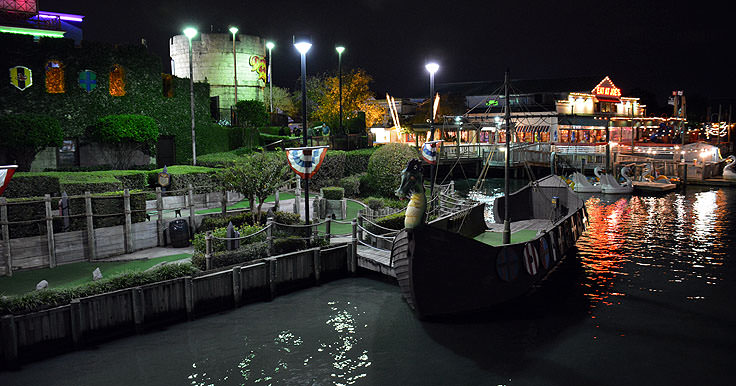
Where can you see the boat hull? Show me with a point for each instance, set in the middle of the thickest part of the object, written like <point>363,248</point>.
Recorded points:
<point>443,272</point>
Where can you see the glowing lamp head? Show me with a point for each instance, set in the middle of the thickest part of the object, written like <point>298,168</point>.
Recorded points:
<point>190,32</point>
<point>233,30</point>
<point>432,67</point>
<point>303,47</point>
<point>270,45</point>
<point>340,49</point>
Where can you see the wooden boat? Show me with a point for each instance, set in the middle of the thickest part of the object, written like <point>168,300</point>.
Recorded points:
<point>457,263</point>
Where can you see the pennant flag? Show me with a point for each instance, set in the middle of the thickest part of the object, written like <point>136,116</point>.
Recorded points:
<point>6,173</point>
<point>305,161</point>
<point>429,152</point>
<point>21,77</point>
<point>87,80</point>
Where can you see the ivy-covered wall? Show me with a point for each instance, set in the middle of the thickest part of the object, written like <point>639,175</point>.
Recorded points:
<point>77,109</point>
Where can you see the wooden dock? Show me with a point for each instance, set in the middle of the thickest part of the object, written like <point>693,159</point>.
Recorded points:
<point>374,259</point>
<point>716,181</point>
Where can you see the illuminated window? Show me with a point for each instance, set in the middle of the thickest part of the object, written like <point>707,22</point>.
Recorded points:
<point>117,80</point>
<point>54,77</point>
<point>168,85</point>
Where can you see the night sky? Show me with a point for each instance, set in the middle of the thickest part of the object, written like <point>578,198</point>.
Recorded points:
<point>649,46</point>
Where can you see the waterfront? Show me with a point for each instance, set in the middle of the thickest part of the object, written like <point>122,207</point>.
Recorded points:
<point>646,300</point>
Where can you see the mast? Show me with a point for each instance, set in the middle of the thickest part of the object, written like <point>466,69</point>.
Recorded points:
<point>506,223</point>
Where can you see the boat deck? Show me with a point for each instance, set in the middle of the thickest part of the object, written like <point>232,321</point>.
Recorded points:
<point>645,186</point>
<point>521,231</point>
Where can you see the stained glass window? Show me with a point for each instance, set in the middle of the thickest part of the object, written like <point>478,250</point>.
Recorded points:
<point>55,77</point>
<point>117,80</point>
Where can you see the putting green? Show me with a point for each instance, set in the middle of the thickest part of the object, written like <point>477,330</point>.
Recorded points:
<point>496,238</point>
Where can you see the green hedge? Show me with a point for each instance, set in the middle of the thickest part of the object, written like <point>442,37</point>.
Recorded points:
<point>202,178</point>
<point>214,138</point>
<point>351,185</point>
<point>392,221</point>
<point>288,244</point>
<point>74,183</point>
<point>49,298</point>
<point>244,254</point>
<point>332,169</point>
<point>333,193</point>
<point>104,204</point>
<point>288,141</point>
<point>244,218</point>
<point>356,161</point>
<point>386,164</point>
<point>199,242</point>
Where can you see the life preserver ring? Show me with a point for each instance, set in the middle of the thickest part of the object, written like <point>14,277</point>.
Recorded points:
<point>531,259</point>
<point>507,264</point>
<point>544,253</point>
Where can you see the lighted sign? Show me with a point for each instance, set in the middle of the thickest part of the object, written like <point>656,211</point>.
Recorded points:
<point>258,65</point>
<point>21,77</point>
<point>492,102</point>
<point>606,90</point>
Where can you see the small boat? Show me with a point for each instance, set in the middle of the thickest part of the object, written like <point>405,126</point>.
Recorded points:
<point>581,184</point>
<point>729,171</point>
<point>609,185</point>
<point>459,263</point>
<point>650,184</point>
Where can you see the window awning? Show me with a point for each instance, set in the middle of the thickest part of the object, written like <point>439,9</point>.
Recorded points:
<point>532,129</point>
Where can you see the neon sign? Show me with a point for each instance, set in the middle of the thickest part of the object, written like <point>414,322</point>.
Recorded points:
<point>258,65</point>
<point>607,90</point>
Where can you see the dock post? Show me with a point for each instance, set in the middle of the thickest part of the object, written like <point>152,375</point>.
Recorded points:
<point>6,236</point>
<point>160,217</point>
<point>50,231</point>
<point>189,297</point>
<point>9,341</point>
<point>237,292</point>
<point>208,251</point>
<point>353,264</point>
<point>128,224</point>
<point>328,229</point>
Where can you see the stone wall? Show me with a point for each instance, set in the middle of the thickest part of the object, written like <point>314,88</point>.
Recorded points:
<point>212,62</point>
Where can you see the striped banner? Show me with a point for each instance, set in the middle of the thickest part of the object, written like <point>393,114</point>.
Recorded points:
<point>429,152</point>
<point>6,173</point>
<point>305,161</point>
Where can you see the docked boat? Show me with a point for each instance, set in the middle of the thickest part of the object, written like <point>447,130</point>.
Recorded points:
<point>729,171</point>
<point>609,185</point>
<point>459,263</point>
<point>581,184</point>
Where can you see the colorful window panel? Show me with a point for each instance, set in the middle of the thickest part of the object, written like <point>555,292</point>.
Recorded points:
<point>55,77</point>
<point>117,81</point>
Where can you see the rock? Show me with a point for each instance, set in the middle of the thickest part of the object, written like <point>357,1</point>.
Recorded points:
<point>96,274</point>
<point>43,284</point>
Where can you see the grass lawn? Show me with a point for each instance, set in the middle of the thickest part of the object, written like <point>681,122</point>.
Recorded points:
<point>71,275</point>
<point>244,204</point>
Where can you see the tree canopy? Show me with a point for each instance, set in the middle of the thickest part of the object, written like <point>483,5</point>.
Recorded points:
<point>356,97</point>
<point>24,135</point>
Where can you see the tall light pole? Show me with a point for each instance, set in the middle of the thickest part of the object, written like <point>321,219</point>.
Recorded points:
<point>431,67</point>
<point>303,47</point>
<point>234,31</point>
<point>340,50</point>
<point>190,34</point>
<point>270,46</point>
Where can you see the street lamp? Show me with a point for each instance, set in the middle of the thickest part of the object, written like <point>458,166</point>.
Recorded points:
<point>340,50</point>
<point>234,31</point>
<point>303,47</point>
<point>190,33</point>
<point>431,67</point>
<point>270,46</point>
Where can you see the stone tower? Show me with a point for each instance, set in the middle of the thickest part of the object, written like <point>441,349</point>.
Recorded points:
<point>212,61</point>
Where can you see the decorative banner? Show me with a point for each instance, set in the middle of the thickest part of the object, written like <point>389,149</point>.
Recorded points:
<point>305,161</point>
<point>258,65</point>
<point>6,173</point>
<point>429,151</point>
<point>55,77</point>
<point>21,77</point>
<point>117,80</point>
<point>507,264</point>
<point>88,80</point>
<point>531,259</point>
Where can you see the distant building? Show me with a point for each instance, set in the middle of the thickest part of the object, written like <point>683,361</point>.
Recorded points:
<point>213,62</point>
<point>23,17</point>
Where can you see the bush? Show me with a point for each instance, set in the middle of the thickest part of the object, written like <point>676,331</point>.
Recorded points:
<point>288,244</point>
<point>392,221</point>
<point>202,178</point>
<point>24,135</point>
<point>351,185</point>
<point>126,129</point>
<point>356,161</point>
<point>33,185</point>
<point>333,193</point>
<point>374,203</point>
<point>366,185</point>
<point>251,113</point>
<point>48,298</point>
<point>75,183</point>
<point>331,171</point>
<point>245,218</point>
<point>386,164</point>
<point>244,254</point>
<point>199,242</point>
<point>220,160</point>
<point>213,138</point>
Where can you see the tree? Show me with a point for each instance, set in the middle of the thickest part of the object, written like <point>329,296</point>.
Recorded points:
<point>24,135</point>
<point>283,100</point>
<point>356,97</point>
<point>252,113</point>
<point>385,166</point>
<point>125,134</point>
<point>258,176</point>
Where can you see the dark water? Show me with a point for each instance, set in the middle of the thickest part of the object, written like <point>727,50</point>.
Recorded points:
<point>648,299</point>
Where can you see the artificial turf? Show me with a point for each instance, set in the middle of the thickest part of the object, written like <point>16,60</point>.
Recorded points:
<point>74,274</point>
<point>496,238</point>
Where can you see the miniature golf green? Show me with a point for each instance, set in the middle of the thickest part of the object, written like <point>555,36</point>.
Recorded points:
<point>71,275</point>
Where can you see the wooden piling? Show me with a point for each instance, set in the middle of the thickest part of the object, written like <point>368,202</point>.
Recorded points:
<point>50,231</point>
<point>6,236</point>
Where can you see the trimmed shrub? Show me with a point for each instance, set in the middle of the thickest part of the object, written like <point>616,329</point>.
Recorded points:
<point>244,254</point>
<point>366,185</point>
<point>74,183</point>
<point>32,185</point>
<point>392,221</point>
<point>213,138</point>
<point>244,218</point>
<point>351,185</point>
<point>333,193</point>
<point>356,161</point>
<point>24,135</point>
<point>199,242</point>
<point>220,160</point>
<point>374,203</point>
<point>49,298</point>
<point>386,164</point>
<point>331,171</point>
<point>126,129</point>
<point>288,244</point>
<point>202,178</point>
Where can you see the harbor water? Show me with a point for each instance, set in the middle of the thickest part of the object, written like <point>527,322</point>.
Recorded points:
<point>646,299</point>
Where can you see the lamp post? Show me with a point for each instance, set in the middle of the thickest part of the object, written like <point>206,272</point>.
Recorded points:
<point>303,47</point>
<point>190,34</point>
<point>340,50</point>
<point>270,46</point>
<point>431,67</point>
<point>234,31</point>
